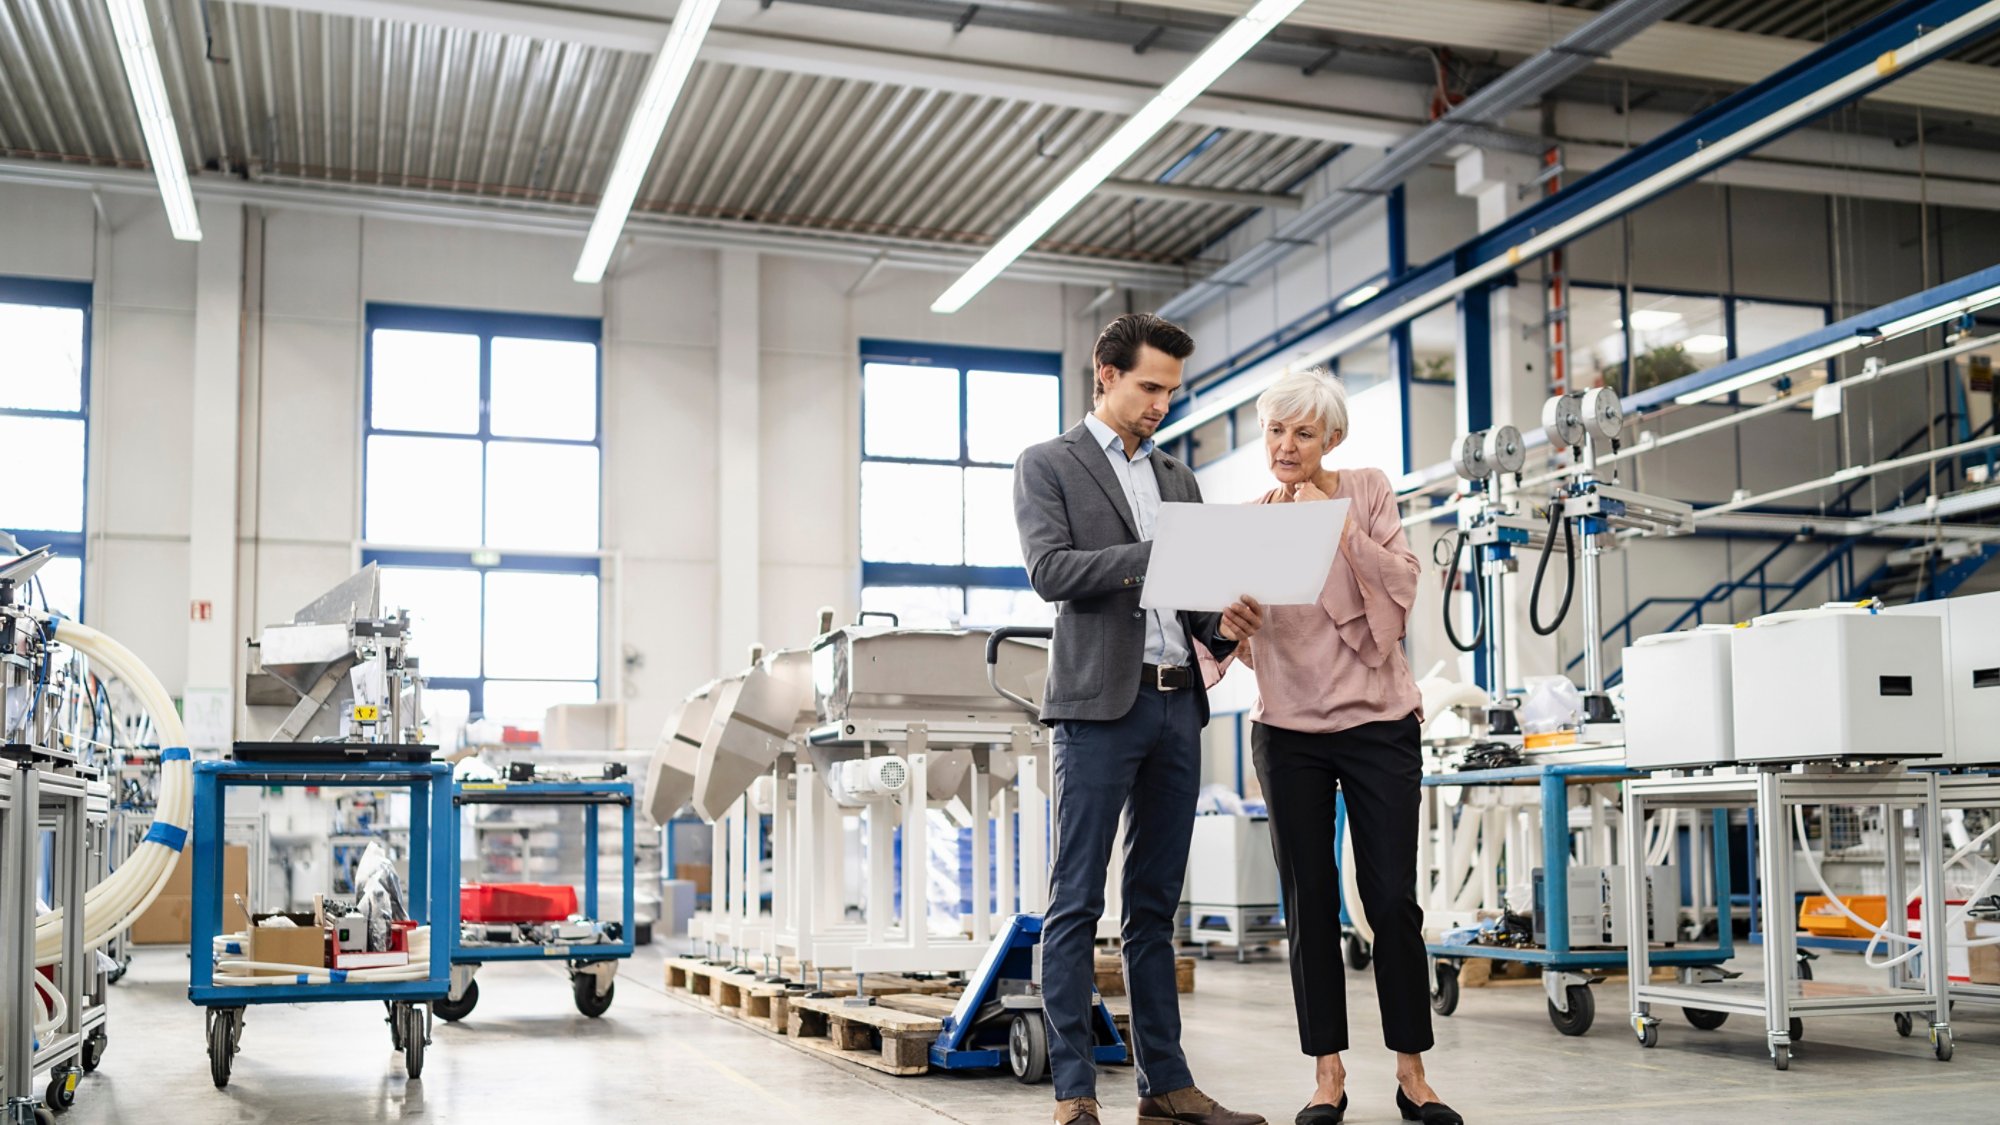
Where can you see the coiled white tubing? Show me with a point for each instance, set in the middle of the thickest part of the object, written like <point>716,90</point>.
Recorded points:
<point>112,905</point>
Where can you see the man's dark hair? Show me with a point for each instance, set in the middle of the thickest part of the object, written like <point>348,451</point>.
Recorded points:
<point>1119,343</point>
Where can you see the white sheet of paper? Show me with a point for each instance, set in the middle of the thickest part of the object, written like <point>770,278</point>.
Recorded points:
<point>1205,556</point>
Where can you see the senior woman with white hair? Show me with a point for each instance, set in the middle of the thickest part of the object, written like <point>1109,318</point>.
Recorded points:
<point>1339,712</point>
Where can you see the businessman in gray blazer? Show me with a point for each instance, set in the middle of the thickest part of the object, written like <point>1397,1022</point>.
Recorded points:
<point>1126,700</point>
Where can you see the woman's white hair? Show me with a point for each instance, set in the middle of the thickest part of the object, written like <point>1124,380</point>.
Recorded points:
<point>1313,393</point>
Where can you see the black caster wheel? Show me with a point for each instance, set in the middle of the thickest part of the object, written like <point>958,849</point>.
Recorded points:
<point>1582,1011</point>
<point>44,1117</point>
<point>395,1022</point>
<point>61,1094</point>
<point>1781,1057</point>
<point>415,1038</point>
<point>451,1011</point>
<point>1028,1047</point>
<point>1355,952</point>
<point>1705,1019</point>
<point>1904,1024</point>
<point>117,972</point>
<point>221,1044</point>
<point>588,1000</point>
<point>1805,966</point>
<point>1941,1043</point>
<point>1444,991</point>
<point>1796,1029</point>
<point>93,1051</point>
<point>1649,1033</point>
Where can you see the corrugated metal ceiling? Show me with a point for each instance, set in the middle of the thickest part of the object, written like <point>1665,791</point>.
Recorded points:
<point>509,118</point>
<point>1814,21</point>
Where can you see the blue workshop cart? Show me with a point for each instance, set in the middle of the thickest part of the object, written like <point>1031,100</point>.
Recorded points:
<point>431,888</point>
<point>592,964</point>
<point>1572,1009</point>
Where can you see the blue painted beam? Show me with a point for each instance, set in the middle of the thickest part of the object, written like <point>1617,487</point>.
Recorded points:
<point>1414,293</point>
<point>1861,324</point>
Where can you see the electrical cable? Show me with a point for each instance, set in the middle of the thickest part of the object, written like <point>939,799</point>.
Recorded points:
<point>1475,588</point>
<point>1541,568</point>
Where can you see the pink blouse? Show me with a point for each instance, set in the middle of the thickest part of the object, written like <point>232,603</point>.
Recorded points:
<point>1338,663</point>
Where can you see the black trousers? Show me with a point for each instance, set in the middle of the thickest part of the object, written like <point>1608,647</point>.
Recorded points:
<point>1379,767</point>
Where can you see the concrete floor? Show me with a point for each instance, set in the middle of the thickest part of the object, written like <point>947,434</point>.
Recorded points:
<point>526,1053</point>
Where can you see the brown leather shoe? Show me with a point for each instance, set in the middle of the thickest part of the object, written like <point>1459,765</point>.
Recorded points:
<point>1077,1111</point>
<point>1190,1107</point>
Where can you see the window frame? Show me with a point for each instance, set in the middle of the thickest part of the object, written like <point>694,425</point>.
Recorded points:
<point>55,293</point>
<point>479,559</point>
<point>964,359</point>
<point>1729,314</point>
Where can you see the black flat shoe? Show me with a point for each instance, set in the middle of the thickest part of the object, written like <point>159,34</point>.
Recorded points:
<point>1322,1114</point>
<point>1430,1113</point>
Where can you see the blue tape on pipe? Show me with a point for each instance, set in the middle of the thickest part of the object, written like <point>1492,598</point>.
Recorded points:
<point>232,947</point>
<point>163,833</point>
<point>339,976</point>
<point>175,754</point>
<point>303,979</point>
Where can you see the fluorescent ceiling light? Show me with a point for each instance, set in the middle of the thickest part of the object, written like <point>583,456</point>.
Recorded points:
<point>1648,320</point>
<point>1707,343</point>
<point>1769,371</point>
<point>1121,146</point>
<point>1359,295</point>
<point>156,115</point>
<point>642,135</point>
<point>1951,310</point>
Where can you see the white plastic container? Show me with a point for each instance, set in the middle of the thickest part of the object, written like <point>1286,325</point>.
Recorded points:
<point>1230,864</point>
<point>1677,709</point>
<point>1971,648</point>
<point>1838,683</point>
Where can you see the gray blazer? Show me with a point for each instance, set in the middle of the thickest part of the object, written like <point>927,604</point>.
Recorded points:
<point>1084,554</point>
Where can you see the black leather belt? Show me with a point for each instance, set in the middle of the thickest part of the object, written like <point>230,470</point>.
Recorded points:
<point>1165,677</point>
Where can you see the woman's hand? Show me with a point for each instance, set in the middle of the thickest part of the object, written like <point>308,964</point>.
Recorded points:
<point>1305,490</point>
<point>1242,620</point>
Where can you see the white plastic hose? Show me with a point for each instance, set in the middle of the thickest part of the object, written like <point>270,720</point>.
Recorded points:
<point>112,905</point>
<point>1882,933</point>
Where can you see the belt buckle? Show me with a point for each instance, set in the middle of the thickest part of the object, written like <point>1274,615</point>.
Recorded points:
<point>1160,677</point>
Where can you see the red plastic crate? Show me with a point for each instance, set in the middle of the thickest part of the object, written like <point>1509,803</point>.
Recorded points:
<point>515,902</point>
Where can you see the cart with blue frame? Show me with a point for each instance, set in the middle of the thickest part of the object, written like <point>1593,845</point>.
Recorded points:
<point>593,961</point>
<point>432,886</point>
<point>1567,973</point>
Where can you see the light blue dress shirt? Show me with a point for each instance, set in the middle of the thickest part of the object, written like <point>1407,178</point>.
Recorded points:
<point>1165,642</point>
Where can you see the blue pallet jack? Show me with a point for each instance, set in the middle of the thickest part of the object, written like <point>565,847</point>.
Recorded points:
<point>998,1020</point>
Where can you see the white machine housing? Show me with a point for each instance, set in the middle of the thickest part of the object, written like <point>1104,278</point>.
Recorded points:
<point>1971,648</point>
<point>1597,905</point>
<point>1838,684</point>
<point>1679,710</point>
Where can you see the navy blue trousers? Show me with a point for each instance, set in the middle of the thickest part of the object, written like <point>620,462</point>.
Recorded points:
<point>1147,765</point>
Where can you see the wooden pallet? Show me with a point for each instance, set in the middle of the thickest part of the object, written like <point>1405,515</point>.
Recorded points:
<point>876,1036</point>
<point>1110,973</point>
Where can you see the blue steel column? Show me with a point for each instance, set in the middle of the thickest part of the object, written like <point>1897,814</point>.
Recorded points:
<point>590,864</point>
<point>1725,929</point>
<point>1400,359</point>
<point>1475,354</point>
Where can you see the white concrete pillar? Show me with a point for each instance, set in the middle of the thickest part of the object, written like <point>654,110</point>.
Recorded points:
<point>1493,181</point>
<point>212,642</point>
<point>739,549</point>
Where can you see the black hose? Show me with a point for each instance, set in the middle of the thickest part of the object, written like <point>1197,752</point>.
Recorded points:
<point>1478,610</point>
<point>1541,568</point>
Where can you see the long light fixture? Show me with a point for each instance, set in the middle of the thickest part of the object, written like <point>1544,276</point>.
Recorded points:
<point>156,115</point>
<point>642,135</point>
<point>1119,147</point>
<point>1950,310</point>
<point>1772,370</point>
<point>1928,41</point>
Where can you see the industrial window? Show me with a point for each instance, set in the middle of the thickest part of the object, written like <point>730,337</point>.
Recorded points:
<point>44,426</point>
<point>482,471</point>
<point>1667,334</point>
<point>940,430</point>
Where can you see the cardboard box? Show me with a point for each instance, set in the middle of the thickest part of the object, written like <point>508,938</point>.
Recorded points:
<point>696,873</point>
<point>288,945</point>
<point>1983,961</point>
<point>167,921</point>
